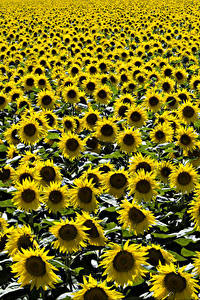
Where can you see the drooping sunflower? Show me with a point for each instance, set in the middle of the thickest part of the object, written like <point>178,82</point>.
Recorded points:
<point>12,152</point>
<point>106,167</point>
<point>92,290</point>
<point>30,159</point>
<point>173,282</point>
<point>71,145</point>
<point>186,138</point>
<point>124,265</point>
<point>138,162</point>
<point>55,197</point>
<point>164,169</point>
<point>83,195</point>
<point>47,172</point>
<point>129,140</point>
<point>20,238</point>
<point>156,255</point>
<point>32,267</point>
<point>194,155</point>
<point>92,144</point>
<point>51,118</point>
<point>94,230</point>
<point>161,134</point>
<point>133,216</point>
<point>188,112</point>
<point>23,102</point>
<point>29,131</point>
<point>116,182</point>
<point>143,185</point>
<point>136,116</point>
<point>70,235</point>
<point>27,195</point>
<point>106,130</point>
<point>184,178</point>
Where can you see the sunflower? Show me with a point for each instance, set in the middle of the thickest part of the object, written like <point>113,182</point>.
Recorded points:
<point>24,172</point>
<point>156,255</point>
<point>102,94</point>
<point>92,290</point>
<point>70,235</point>
<point>106,167</point>
<point>194,212</point>
<point>186,138</point>
<point>30,159</point>
<point>29,82</point>
<point>188,112</point>
<point>161,134</point>
<point>69,124</point>
<point>27,195</point>
<point>174,282</point>
<point>32,267</point>
<point>55,197</point>
<point>167,85</point>
<point>51,118</point>
<point>164,169</point>
<point>3,224</point>
<point>71,145</point>
<point>138,162</point>
<point>46,99</point>
<point>23,102</point>
<point>83,195</point>
<point>90,85</point>
<point>124,264</point>
<point>120,109</point>
<point>4,100</point>
<point>153,100</point>
<point>92,144</point>
<point>42,82</point>
<point>94,230</point>
<point>129,140</point>
<point>197,263</point>
<point>47,172</point>
<point>29,131</point>
<point>95,175</point>
<point>116,182</point>
<point>133,216</point>
<point>90,118</point>
<point>143,185</point>
<point>12,152</point>
<point>20,238</point>
<point>184,178</point>
<point>71,94</point>
<point>106,130</point>
<point>11,135</point>
<point>136,116</point>
<point>171,100</point>
<point>180,75</point>
<point>6,173</point>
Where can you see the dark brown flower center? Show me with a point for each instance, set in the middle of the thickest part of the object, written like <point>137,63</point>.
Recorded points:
<point>2,100</point>
<point>122,111</point>
<point>95,293</point>
<point>92,232</point>
<point>102,94</point>
<point>184,178</point>
<point>128,139</point>
<point>92,143</point>
<point>179,75</point>
<point>91,119</point>
<point>4,174</point>
<point>159,135</point>
<point>14,134</point>
<point>118,181</point>
<point>153,101</point>
<point>107,130</point>
<point>41,82</point>
<point>188,112</point>
<point>85,194</point>
<point>143,186</point>
<point>185,140</point>
<point>68,232</point>
<point>50,119</point>
<point>24,242</point>
<point>35,266</point>
<point>90,86</point>
<point>23,103</point>
<point>171,101</point>
<point>72,144</point>
<point>104,169</point>
<point>154,256</point>
<point>68,124</point>
<point>48,173</point>
<point>25,176</point>
<point>135,116</point>
<point>71,94</point>
<point>30,81</point>
<point>30,130</point>
<point>46,100</point>
<point>175,283</point>
<point>143,165</point>
<point>28,195</point>
<point>55,197</point>
<point>166,86</point>
<point>136,215</point>
<point>123,261</point>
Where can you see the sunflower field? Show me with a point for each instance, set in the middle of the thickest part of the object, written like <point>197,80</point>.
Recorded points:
<point>99,150</point>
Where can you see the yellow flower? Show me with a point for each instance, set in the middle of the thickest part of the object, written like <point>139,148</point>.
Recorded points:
<point>186,138</point>
<point>69,124</point>
<point>134,216</point>
<point>91,289</point>
<point>153,100</point>
<point>161,134</point>
<point>194,210</point>
<point>138,162</point>
<point>55,197</point>
<point>124,265</point>
<point>156,255</point>
<point>71,145</point>
<point>136,116</point>
<point>116,182</point>
<point>71,94</point>
<point>46,99</point>
<point>3,224</point>
<point>106,130</point>
<point>70,235</point>
<point>172,282</point>
<point>47,172</point>
<point>164,169</point>
<point>129,140</point>
<point>188,112</point>
<point>4,100</point>
<point>32,267</point>
<point>90,119</point>
<point>29,131</point>
<point>102,94</point>
<point>6,173</point>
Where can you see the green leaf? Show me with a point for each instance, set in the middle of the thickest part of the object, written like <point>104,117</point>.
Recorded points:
<point>183,241</point>
<point>3,148</point>
<point>53,136</point>
<point>177,256</point>
<point>163,235</point>
<point>185,252</point>
<point>6,203</point>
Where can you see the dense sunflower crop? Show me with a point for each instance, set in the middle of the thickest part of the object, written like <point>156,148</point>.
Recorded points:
<point>99,150</point>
